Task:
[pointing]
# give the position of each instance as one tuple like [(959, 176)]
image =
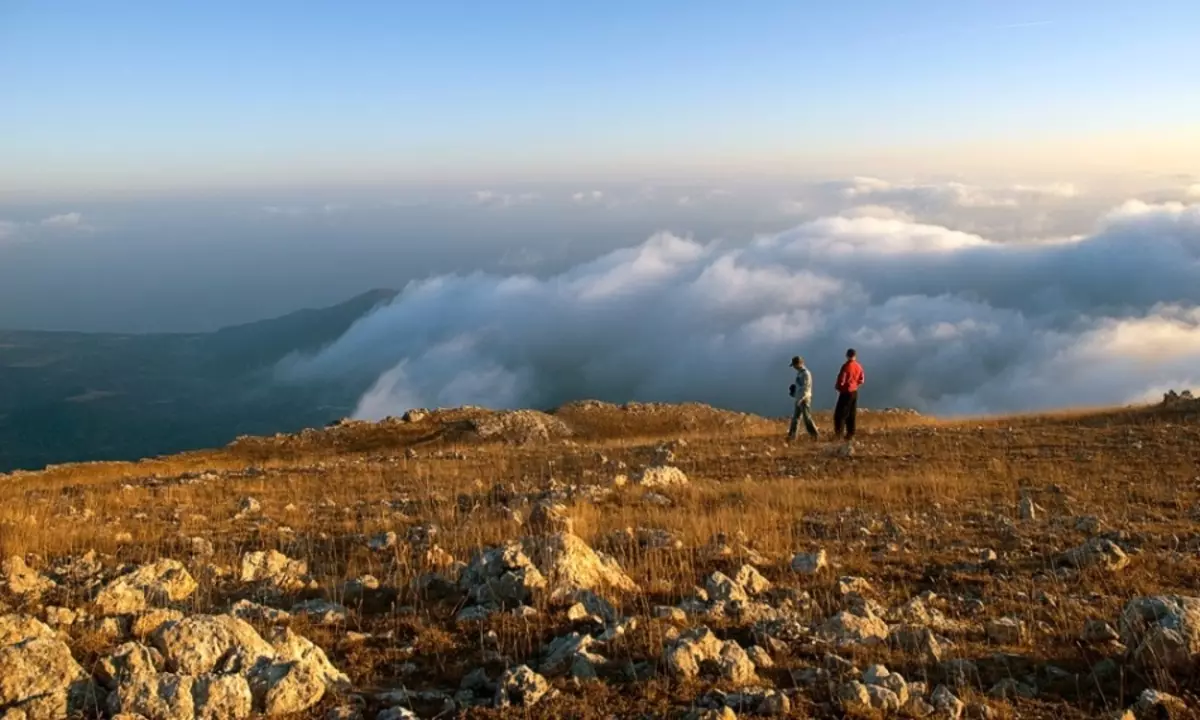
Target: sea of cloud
[(945, 321)]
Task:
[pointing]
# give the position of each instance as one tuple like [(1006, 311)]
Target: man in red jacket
[(849, 379)]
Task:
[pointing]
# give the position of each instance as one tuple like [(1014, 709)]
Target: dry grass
[(910, 511)]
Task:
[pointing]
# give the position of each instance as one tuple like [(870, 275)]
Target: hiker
[(802, 391), (849, 379)]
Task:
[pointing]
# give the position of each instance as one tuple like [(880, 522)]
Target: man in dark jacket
[(849, 379)]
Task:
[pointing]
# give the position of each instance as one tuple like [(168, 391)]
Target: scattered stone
[(39, 677), (253, 612), (918, 640), (21, 580), (810, 563), (200, 547), (1162, 632), (1010, 689), (760, 657), (684, 656), (520, 687), (848, 628), (1155, 704), (248, 507), (751, 580), (946, 704), (16, 629), (735, 664), (211, 643), (1099, 632), (854, 697), (321, 612), (547, 518), (662, 476), (383, 541), (157, 582), (1097, 552), (274, 569), (1006, 631), (126, 662)]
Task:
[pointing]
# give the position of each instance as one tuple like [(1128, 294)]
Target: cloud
[(945, 321), (495, 199), (588, 197), (13, 232), (1193, 191), (294, 211), (69, 220)]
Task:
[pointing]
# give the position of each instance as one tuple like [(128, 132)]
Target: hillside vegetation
[(68, 397), (601, 561)]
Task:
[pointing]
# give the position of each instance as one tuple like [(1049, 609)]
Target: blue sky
[(103, 95)]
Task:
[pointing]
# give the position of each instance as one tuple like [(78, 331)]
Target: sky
[(146, 96), (624, 200)]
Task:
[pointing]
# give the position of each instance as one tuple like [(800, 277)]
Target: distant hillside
[(68, 396)]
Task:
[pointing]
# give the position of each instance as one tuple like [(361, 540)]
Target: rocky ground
[(617, 562)]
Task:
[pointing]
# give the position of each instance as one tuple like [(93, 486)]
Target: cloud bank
[(945, 321)]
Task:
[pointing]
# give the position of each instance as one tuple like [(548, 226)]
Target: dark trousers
[(802, 411), (844, 414)]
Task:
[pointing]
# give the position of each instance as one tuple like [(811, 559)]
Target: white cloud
[(945, 321), (66, 220), (1193, 191), (13, 232), (495, 199), (588, 197)]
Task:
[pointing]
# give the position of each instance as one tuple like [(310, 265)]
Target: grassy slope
[(910, 512)]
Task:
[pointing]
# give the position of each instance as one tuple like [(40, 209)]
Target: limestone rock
[(275, 569), (1162, 632), (1006, 631), (689, 650), (570, 565), (321, 612), (854, 696), (161, 696), (735, 664), (126, 662), (222, 697), (662, 476), (1097, 552), (39, 677), (158, 582), (211, 643), (503, 576), (16, 629), (22, 580), (810, 563), (847, 628), (547, 518), (520, 687)]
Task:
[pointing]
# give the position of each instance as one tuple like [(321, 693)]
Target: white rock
[(158, 582), (211, 643), (21, 580), (846, 628), (275, 569), (40, 678), (126, 662), (662, 476)]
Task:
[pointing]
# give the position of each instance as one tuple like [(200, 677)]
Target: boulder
[(810, 563), (520, 687), (160, 696), (158, 582), (126, 662), (274, 569), (39, 677), (662, 476), (211, 643), (1098, 553), (21, 580), (1162, 632), (848, 628), (16, 629), (570, 565), (1006, 631)]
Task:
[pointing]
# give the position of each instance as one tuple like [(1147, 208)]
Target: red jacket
[(850, 377)]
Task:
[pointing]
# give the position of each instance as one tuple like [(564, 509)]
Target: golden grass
[(910, 510)]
